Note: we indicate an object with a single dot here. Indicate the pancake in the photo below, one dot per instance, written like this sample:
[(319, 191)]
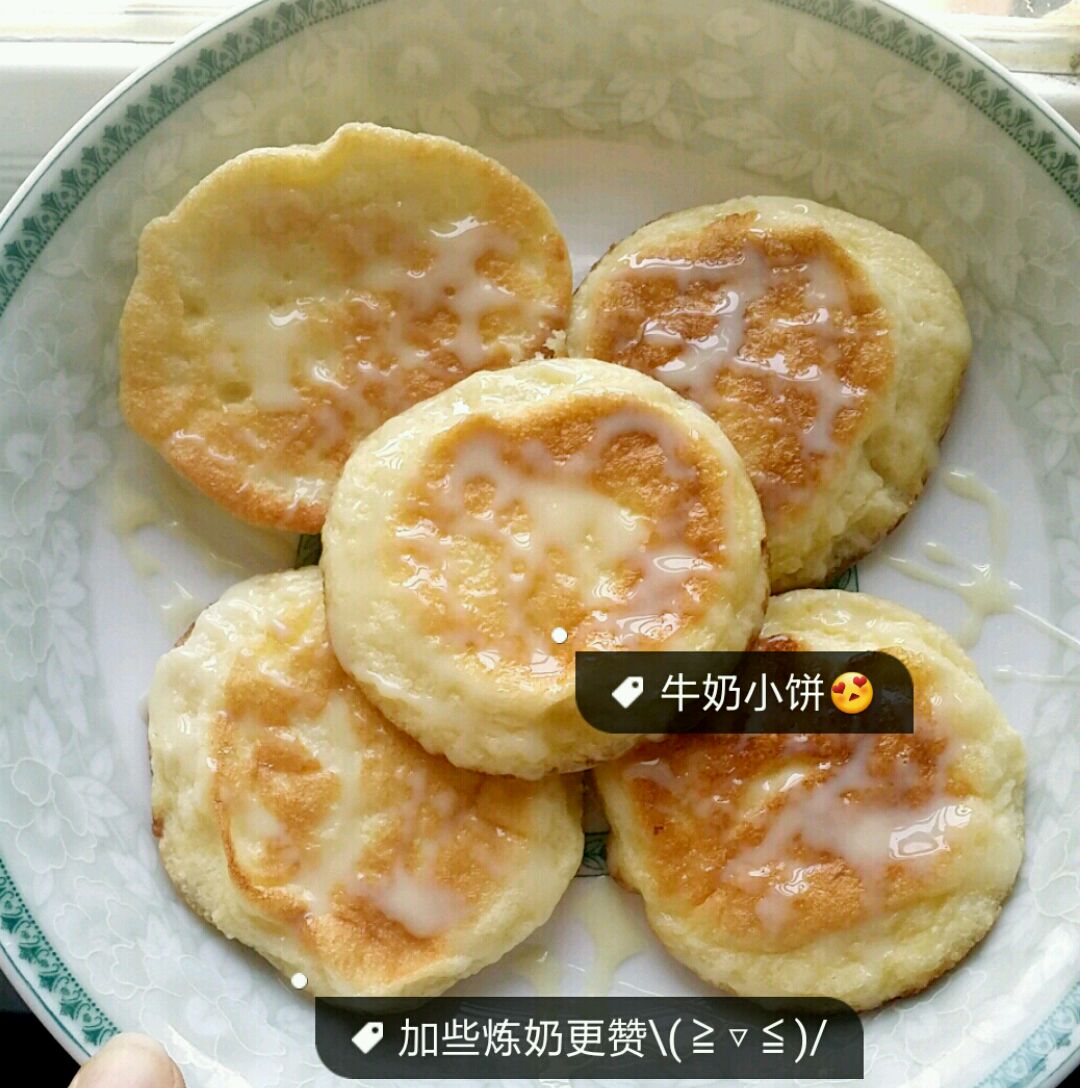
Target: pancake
[(569, 494), (296, 819), (830, 350), (300, 296), (853, 867)]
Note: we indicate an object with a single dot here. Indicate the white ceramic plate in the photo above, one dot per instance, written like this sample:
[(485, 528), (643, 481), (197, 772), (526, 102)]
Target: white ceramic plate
[(615, 112)]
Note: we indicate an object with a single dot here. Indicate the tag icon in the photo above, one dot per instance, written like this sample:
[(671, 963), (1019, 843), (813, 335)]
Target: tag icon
[(629, 691), (368, 1037)]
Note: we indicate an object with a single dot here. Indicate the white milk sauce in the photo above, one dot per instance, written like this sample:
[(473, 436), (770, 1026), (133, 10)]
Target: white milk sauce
[(616, 931), (179, 611), (1007, 672), (411, 893), (142, 504), (984, 587), (151, 512), (539, 966), (693, 371), (269, 349), (540, 506), (828, 816)]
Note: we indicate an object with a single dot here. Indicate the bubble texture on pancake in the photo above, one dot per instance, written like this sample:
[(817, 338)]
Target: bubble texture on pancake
[(297, 820), (829, 349), (299, 296), (858, 868), (565, 494)]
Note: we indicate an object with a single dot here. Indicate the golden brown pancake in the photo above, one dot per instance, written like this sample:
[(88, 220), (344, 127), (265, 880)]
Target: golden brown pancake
[(298, 297), (854, 867), (293, 816), (568, 495), (830, 351)]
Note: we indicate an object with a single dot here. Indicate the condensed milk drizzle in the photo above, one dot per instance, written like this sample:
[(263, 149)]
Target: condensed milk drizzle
[(410, 892), (612, 920), (630, 572), (615, 927), (382, 328), (1007, 672), (412, 895), (983, 587), (451, 281), (832, 807), (737, 284), (832, 814)]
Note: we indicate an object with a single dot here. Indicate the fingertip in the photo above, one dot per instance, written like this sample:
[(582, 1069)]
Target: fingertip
[(129, 1061)]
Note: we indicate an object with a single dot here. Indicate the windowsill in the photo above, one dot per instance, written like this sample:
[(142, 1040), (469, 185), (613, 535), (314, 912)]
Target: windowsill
[(46, 86)]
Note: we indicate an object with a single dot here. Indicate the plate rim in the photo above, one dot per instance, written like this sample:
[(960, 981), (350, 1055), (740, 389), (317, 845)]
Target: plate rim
[(1056, 153)]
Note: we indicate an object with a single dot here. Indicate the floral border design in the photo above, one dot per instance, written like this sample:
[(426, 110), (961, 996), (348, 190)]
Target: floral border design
[(1001, 102), (594, 857), (1046, 143), (1029, 1060), (141, 117), (52, 973), (308, 550)]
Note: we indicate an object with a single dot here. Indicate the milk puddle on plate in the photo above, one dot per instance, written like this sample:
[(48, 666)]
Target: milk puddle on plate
[(982, 586), (539, 966), (616, 930), (1006, 672), (162, 524)]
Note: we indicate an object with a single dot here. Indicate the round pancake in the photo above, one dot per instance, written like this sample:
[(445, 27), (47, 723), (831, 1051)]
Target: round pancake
[(567, 494), (300, 296), (853, 867), (830, 350), (297, 820)]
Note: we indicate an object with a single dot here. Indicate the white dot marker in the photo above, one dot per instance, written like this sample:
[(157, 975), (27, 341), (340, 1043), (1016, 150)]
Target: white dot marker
[(299, 980), (559, 635)]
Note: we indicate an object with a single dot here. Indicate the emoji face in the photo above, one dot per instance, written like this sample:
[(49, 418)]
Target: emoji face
[(852, 692)]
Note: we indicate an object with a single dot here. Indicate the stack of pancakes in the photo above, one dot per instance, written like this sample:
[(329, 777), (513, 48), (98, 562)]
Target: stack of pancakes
[(370, 772)]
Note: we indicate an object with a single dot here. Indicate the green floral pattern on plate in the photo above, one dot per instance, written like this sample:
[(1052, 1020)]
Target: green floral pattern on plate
[(517, 72)]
